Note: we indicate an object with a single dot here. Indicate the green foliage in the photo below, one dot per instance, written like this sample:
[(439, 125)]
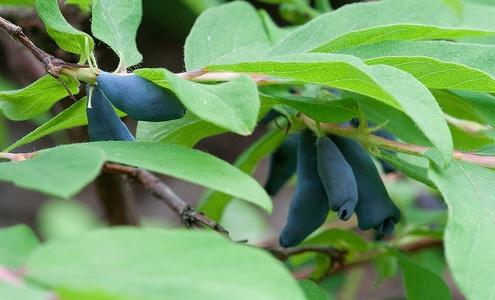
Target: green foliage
[(389, 85), (60, 172), (84, 5), (55, 172), (17, 2), (219, 35), (170, 267), (437, 64), (66, 36), (18, 242), (8, 291), (351, 26), (115, 22), (186, 131), (468, 237), (35, 99), (70, 117), (59, 219), (424, 70), (199, 6), (421, 283), (233, 105), (312, 290)]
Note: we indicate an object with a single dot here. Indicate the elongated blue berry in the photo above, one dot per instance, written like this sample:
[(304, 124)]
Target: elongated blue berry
[(139, 98), (309, 206), (103, 123), (374, 209), (283, 163), (337, 178)]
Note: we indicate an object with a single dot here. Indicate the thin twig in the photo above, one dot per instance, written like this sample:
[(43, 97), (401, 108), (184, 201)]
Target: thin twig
[(337, 257), (52, 64), (163, 192), (207, 76), (487, 161)]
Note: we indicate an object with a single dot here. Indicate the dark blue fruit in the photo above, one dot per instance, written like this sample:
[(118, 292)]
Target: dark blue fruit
[(374, 209), (309, 207), (337, 178), (139, 98), (283, 163), (103, 123)]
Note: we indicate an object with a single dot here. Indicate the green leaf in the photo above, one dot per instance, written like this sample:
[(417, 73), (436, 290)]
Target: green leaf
[(412, 166), (437, 64), (466, 141), (115, 22), (432, 259), (312, 290), (233, 105), (231, 32), (340, 238), (386, 266), (485, 2), (64, 171), (456, 5), (61, 171), (71, 117), (389, 85), (352, 25), (482, 103), (214, 203), (198, 6), (158, 263), (186, 131), (323, 110), (454, 106), (323, 5), (245, 222), (188, 164), (36, 98), (469, 240), (84, 5), (62, 219), (273, 31), (17, 2), (66, 36), (17, 243), (4, 132), (421, 283), (11, 292)]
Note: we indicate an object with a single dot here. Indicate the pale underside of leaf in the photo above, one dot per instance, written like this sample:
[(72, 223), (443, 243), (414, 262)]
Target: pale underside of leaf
[(469, 239)]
